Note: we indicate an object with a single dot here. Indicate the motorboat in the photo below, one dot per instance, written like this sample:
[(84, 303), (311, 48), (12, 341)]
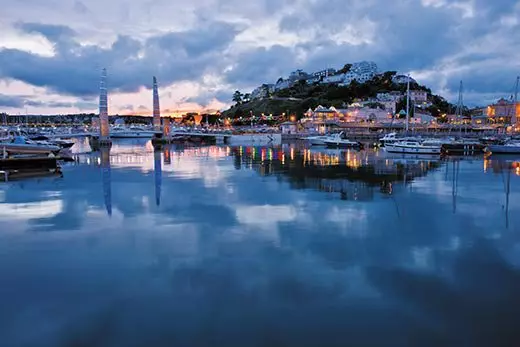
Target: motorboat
[(44, 140), (391, 138), (340, 141), (413, 147), (317, 140), (463, 147), (510, 147), (21, 145), (131, 133)]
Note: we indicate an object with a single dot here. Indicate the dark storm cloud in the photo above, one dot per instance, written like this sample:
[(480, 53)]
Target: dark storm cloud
[(262, 65), (26, 101), (54, 33), (11, 101), (402, 35), (205, 39), (75, 69)]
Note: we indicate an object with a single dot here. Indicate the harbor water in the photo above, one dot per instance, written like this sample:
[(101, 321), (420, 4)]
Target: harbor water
[(261, 246)]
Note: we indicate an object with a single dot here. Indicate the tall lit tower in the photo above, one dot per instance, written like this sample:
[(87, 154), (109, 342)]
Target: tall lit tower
[(156, 107), (103, 108)]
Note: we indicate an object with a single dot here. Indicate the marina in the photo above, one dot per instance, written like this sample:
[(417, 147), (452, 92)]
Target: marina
[(261, 230)]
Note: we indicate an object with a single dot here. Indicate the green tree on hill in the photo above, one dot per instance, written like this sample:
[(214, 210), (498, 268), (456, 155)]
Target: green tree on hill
[(237, 97), (247, 97)]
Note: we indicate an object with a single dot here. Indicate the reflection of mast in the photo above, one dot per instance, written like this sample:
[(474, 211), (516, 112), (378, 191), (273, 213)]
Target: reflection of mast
[(105, 170), (507, 189), (455, 185), (158, 176), (167, 155)]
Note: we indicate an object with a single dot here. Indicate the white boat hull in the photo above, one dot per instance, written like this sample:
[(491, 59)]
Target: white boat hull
[(504, 149), (316, 140), (259, 139), (342, 144), (391, 148), (19, 148), (132, 135)]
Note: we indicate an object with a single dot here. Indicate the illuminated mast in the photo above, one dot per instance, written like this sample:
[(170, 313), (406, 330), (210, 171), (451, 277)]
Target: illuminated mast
[(103, 108), (514, 119), (156, 107)]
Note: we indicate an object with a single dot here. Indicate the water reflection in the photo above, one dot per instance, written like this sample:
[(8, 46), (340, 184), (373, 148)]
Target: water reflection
[(106, 179), (352, 174), (251, 257), (157, 168)]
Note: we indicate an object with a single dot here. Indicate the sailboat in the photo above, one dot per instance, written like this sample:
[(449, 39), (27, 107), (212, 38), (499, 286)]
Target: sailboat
[(461, 146), (511, 146), (411, 145)]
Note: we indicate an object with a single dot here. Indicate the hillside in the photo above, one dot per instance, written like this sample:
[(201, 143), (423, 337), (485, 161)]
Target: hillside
[(301, 96)]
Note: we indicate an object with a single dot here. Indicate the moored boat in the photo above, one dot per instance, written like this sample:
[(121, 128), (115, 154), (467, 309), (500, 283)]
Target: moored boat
[(413, 147), (20, 145), (511, 147), (463, 146), (340, 141), (131, 133), (317, 140)]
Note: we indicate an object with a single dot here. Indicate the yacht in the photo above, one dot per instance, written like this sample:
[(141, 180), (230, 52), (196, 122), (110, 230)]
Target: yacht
[(131, 133), (463, 147), (21, 145), (413, 147), (317, 140), (391, 138), (340, 141), (511, 147)]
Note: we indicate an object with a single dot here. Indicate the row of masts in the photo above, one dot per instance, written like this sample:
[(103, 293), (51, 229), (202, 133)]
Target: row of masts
[(460, 104)]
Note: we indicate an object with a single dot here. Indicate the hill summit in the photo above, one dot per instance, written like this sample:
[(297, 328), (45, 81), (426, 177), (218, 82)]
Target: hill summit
[(341, 88)]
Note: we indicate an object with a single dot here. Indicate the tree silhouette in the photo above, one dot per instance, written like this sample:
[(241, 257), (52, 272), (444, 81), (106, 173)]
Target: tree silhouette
[(237, 97)]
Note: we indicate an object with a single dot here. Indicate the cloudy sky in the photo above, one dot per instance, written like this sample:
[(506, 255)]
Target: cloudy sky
[(52, 51)]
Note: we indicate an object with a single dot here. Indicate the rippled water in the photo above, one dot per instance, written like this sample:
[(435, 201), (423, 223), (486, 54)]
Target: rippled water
[(245, 246)]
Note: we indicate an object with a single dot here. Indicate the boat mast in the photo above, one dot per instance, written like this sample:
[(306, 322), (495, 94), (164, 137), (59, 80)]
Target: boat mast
[(407, 102), (459, 108), (513, 118)]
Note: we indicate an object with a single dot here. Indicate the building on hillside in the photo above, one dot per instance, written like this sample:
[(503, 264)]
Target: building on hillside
[(282, 84), (262, 91), (503, 112), (364, 68), (389, 105), (298, 75), (347, 115), (402, 79), (324, 73), (313, 79), (333, 79), (424, 118), (395, 96), (419, 96)]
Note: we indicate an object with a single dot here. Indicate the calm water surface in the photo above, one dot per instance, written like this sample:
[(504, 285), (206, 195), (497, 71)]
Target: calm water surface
[(245, 246)]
